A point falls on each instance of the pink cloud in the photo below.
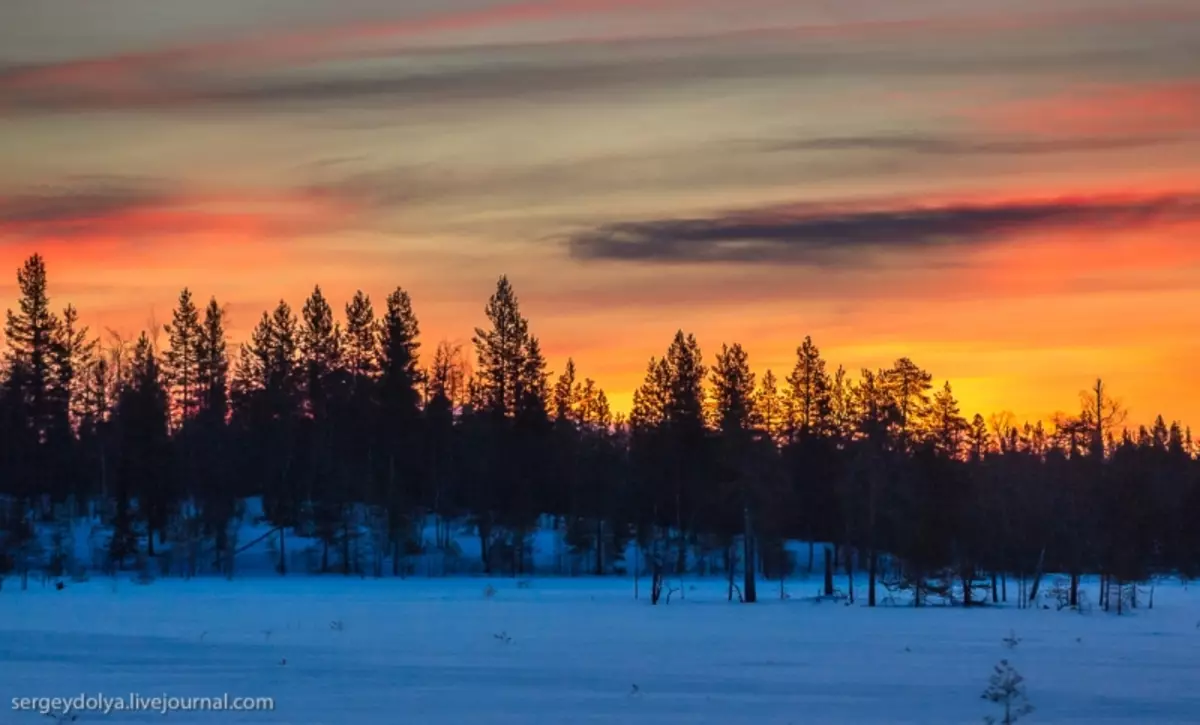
(1108, 109)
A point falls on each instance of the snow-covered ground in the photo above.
(339, 651)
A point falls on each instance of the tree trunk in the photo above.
(828, 572)
(850, 573)
(599, 547)
(995, 589)
(1074, 589)
(750, 577)
(282, 551)
(872, 570)
(1037, 576)
(729, 549)
(637, 572)
(485, 535)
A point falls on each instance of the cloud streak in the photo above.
(238, 73)
(143, 210)
(942, 146)
(819, 235)
(1102, 109)
(104, 81)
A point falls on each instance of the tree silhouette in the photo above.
(349, 437)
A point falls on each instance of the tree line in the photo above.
(352, 435)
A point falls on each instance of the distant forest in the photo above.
(342, 424)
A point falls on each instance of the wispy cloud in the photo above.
(948, 146)
(139, 210)
(509, 76)
(1161, 107)
(166, 75)
(840, 235)
(247, 71)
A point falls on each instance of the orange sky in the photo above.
(1007, 192)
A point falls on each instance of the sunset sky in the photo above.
(1006, 191)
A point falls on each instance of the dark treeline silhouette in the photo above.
(353, 435)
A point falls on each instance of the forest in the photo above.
(346, 427)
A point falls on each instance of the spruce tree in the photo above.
(142, 418)
(500, 351)
(181, 362)
(31, 332)
(732, 386)
(361, 340)
(399, 429)
(808, 392)
(212, 364)
(566, 394)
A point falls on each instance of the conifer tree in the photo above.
(733, 396)
(361, 340)
(566, 394)
(651, 398)
(320, 346)
(500, 351)
(212, 364)
(808, 392)
(182, 359)
(399, 414)
(31, 332)
(770, 412)
(949, 426)
(142, 418)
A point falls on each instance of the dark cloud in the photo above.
(940, 146)
(816, 235)
(80, 199)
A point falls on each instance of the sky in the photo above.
(1005, 191)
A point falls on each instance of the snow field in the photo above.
(334, 651)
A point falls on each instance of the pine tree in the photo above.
(361, 340)
(566, 394)
(733, 397)
(320, 342)
(400, 359)
(532, 385)
(770, 413)
(906, 388)
(978, 438)
(399, 414)
(74, 353)
(182, 359)
(733, 391)
(212, 364)
(650, 400)
(500, 351)
(592, 409)
(808, 402)
(267, 396)
(948, 424)
(142, 418)
(31, 332)
(212, 469)
(685, 397)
